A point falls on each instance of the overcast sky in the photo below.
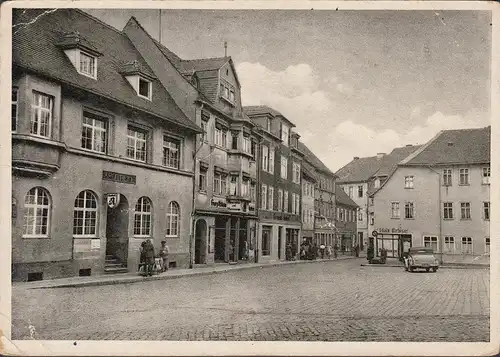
(355, 83)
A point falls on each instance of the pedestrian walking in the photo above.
(142, 258)
(335, 250)
(288, 251)
(149, 251)
(164, 252)
(322, 248)
(329, 251)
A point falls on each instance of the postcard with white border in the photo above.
(250, 178)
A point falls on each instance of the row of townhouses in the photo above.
(435, 195)
(116, 139)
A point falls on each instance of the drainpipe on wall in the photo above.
(439, 212)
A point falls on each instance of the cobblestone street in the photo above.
(330, 301)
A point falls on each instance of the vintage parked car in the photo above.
(421, 258)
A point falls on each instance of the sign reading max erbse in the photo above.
(117, 177)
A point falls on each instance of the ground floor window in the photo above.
(266, 240)
(449, 244)
(466, 245)
(487, 245)
(431, 242)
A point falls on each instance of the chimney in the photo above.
(356, 157)
(380, 155)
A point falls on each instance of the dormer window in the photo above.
(139, 78)
(88, 65)
(144, 88)
(82, 54)
(227, 92)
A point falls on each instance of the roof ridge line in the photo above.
(99, 21)
(421, 149)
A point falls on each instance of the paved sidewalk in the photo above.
(134, 277)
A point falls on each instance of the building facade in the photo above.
(309, 181)
(101, 154)
(361, 177)
(324, 200)
(439, 196)
(346, 217)
(224, 194)
(280, 184)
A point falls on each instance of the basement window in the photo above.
(35, 276)
(85, 272)
(144, 88)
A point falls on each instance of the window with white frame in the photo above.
(341, 215)
(447, 177)
(447, 210)
(265, 158)
(263, 197)
(220, 137)
(94, 133)
(217, 183)
(284, 167)
(204, 126)
(41, 117)
(136, 144)
(466, 245)
(142, 217)
(227, 92)
(247, 144)
(285, 134)
(351, 191)
(171, 152)
(360, 215)
(173, 219)
(487, 245)
(145, 88)
(252, 191)
(88, 65)
(360, 191)
(85, 215)
(486, 211)
(233, 185)
(285, 201)
(14, 109)
(296, 172)
(395, 213)
(449, 244)
(485, 175)
(37, 210)
(463, 176)
(465, 210)
(223, 185)
(271, 161)
(297, 203)
(280, 200)
(431, 242)
(408, 181)
(268, 125)
(377, 183)
(202, 179)
(293, 203)
(270, 198)
(409, 210)
(245, 187)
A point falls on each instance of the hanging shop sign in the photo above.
(218, 202)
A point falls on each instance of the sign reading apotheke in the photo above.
(117, 177)
(391, 230)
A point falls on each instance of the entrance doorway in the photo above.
(243, 240)
(200, 242)
(220, 239)
(117, 219)
(360, 240)
(280, 237)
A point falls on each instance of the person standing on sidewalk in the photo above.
(149, 252)
(164, 251)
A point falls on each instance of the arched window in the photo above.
(85, 214)
(142, 217)
(37, 205)
(173, 216)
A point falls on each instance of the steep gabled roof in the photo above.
(35, 48)
(342, 197)
(314, 160)
(264, 109)
(390, 162)
(452, 147)
(360, 169)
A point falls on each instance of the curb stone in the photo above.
(130, 279)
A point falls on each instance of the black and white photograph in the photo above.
(250, 174)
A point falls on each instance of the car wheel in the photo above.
(434, 270)
(411, 269)
(427, 269)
